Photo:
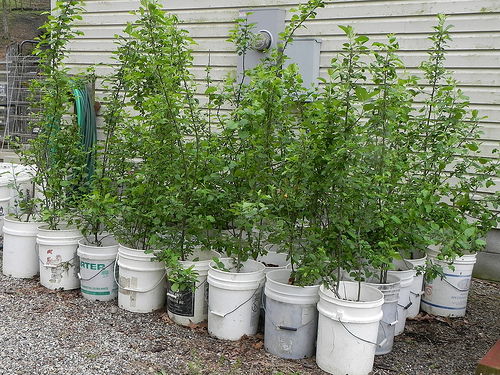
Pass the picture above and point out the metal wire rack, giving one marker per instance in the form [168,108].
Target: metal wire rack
[22,68]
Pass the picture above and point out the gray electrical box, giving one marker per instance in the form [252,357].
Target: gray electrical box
[305,52]
[269,24]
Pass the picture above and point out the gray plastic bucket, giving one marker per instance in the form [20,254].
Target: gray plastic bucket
[387,327]
[291,320]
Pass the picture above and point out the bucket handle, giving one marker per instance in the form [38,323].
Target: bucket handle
[281,327]
[37,251]
[453,286]
[222,315]
[98,273]
[406,307]
[417,294]
[135,290]
[380,344]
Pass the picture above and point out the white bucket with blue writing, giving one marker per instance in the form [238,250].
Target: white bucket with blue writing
[291,322]
[191,304]
[234,299]
[448,296]
[59,264]
[142,286]
[97,267]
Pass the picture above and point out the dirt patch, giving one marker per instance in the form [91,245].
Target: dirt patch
[23,25]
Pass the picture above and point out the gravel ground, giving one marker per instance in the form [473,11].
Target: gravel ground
[59,332]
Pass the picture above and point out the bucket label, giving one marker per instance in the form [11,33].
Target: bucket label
[180,303]
[58,267]
[92,266]
[96,291]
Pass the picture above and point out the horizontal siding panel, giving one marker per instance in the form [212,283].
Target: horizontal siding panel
[223,4]
[420,42]
[111,6]
[488,59]
[453,60]
[438,5]
[474,52]
[399,25]
[106,19]
[350,9]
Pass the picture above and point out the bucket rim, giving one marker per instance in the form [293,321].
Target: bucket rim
[260,267]
[377,297]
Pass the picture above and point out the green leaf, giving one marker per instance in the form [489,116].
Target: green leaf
[174,287]
[473,146]
[362,94]
[395,219]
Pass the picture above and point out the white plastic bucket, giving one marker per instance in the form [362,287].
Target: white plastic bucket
[142,287]
[191,305]
[404,300]
[22,176]
[97,267]
[273,260]
[57,251]
[387,327]
[9,173]
[417,285]
[348,328]
[291,321]
[19,248]
[234,299]
[448,296]
[4,201]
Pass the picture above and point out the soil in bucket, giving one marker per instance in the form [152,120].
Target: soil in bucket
[291,317]
[387,327]
[234,299]
[273,260]
[20,258]
[57,252]
[448,296]
[348,328]
[191,305]
[97,267]
[142,286]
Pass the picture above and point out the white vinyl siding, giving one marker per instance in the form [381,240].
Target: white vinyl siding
[474,53]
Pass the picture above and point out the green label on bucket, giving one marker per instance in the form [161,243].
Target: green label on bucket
[92,266]
[95,293]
